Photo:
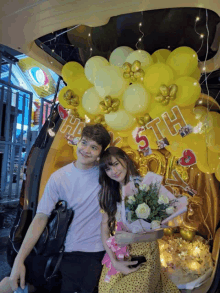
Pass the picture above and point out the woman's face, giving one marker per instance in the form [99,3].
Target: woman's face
[117,171]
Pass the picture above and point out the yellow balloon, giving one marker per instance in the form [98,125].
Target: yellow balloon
[204,120]
[213,140]
[120,120]
[183,61]
[156,109]
[188,91]
[196,74]
[90,101]
[142,56]
[160,56]
[215,117]
[61,98]
[157,75]
[217,172]
[136,99]
[93,65]
[207,161]
[80,85]
[119,55]
[71,71]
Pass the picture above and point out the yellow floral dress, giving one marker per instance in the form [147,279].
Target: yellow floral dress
[148,279]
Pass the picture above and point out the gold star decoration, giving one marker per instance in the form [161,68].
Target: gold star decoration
[133,71]
[166,94]
[109,105]
[71,98]
[142,121]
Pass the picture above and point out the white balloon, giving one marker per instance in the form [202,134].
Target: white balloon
[118,83]
[119,55]
[90,101]
[136,99]
[120,120]
[93,65]
[142,56]
[103,81]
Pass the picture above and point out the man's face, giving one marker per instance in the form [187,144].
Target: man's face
[88,151]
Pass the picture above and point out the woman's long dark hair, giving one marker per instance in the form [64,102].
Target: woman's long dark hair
[109,193]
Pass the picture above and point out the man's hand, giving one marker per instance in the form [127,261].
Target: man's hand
[124,238]
[122,266]
[17,276]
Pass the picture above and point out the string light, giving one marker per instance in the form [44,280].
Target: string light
[140,25]
[202,36]
[197,18]
[89,42]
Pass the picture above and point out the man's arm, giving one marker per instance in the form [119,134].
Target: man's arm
[33,234]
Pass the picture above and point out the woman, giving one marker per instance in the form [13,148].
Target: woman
[115,169]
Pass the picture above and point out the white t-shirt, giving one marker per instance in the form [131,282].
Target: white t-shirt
[80,189]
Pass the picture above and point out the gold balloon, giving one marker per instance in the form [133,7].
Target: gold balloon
[136,66]
[67,98]
[168,231]
[159,99]
[126,75]
[164,90]
[100,119]
[139,74]
[187,234]
[126,67]
[143,120]
[173,90]
[109,104]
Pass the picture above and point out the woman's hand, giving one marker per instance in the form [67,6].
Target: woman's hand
[124,238]
[122,266]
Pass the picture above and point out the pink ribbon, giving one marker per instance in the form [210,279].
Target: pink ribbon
[120,251]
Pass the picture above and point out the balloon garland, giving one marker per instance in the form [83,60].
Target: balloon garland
[139,95]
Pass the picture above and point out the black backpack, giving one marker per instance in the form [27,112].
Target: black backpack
[51,242]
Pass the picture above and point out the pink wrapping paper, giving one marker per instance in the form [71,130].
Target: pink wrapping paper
[120,251]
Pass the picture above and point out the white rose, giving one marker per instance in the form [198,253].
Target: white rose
[170,210]
[155,224]
[142,211]
[131,199]
[144,187]
[163,199]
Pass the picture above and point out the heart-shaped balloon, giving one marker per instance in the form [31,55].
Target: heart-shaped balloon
[62,112]
[188,158]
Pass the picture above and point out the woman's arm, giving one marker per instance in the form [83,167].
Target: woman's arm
[105,236]
[119,265]
[124,238]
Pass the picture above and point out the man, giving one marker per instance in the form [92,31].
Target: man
[77,183]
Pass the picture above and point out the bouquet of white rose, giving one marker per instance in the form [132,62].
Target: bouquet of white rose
[148,205]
